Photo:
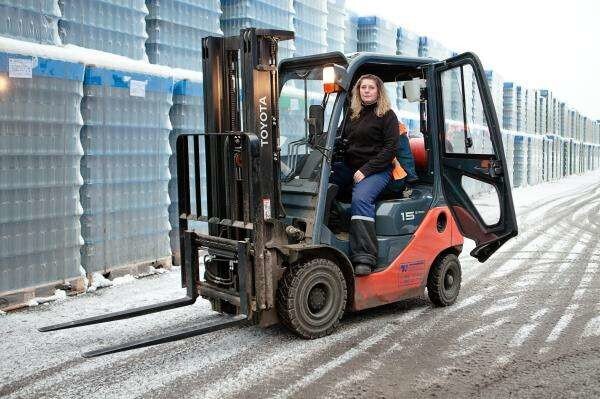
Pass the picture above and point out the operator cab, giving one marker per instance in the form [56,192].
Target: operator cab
[454,152]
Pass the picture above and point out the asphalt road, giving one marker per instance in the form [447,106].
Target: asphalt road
[526,324]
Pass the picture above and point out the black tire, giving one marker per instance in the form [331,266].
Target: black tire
[311,298]
[443,282]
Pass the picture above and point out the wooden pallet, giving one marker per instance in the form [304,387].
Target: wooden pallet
[11,300]
[136,269]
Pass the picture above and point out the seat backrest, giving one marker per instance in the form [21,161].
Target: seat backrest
[417,147]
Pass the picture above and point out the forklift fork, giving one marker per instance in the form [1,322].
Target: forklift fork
[191,274]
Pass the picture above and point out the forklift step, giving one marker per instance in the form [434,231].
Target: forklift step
[177,335]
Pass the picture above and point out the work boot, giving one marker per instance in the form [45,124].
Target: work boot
[363,244]
[360,269]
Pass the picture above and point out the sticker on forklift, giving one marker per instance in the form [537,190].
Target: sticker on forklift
[137,88]
[267,208]
[411,274]
[20,68]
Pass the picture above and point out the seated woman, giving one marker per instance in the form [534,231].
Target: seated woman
[371,137]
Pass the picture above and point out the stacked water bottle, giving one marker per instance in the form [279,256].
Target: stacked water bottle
[509,117]
[187,117]
[267,14]
[407,44]
[310,25]
[520,161]
[377,35]
[537,164]
[40,233]
[433,49]
[35,21]
[114,26]
[336,17]
[521,98]
[125,168]
[175,29]
[496,85]
[351,33]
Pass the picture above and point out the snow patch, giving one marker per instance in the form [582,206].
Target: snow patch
[522,334]
[126,279]
[502,305]
[563,322]
[469,301]
[479,331]
[72,53]
[99,281]
[59,295]
[2,313]
[539,314]
[592,328]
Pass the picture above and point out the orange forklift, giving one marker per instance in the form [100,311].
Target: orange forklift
[255,198]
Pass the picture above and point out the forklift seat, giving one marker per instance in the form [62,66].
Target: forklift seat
[417,147]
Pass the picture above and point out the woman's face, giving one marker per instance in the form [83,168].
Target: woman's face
[368,91]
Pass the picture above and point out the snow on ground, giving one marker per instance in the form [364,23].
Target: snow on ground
[28,351]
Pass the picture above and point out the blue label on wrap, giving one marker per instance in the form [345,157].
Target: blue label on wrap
[46,67]
[120,79]
[188,88]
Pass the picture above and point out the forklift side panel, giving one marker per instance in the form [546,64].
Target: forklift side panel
[407,275]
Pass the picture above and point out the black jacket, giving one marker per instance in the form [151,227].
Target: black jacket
[371,141]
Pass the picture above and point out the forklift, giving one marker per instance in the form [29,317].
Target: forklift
[255,198]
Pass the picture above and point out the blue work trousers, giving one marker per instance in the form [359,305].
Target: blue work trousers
[365,193]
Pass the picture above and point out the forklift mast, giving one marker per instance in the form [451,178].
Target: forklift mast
[242,169]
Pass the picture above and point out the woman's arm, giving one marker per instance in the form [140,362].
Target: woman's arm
[383,159]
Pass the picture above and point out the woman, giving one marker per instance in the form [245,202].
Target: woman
[370,136]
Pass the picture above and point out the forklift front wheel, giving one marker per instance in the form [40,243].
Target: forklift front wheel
[443,283]
[311,298]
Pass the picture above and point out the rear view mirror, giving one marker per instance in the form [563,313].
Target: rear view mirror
[412,89]
[316,117]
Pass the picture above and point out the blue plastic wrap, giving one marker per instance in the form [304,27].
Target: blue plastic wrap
[40,151]
[125,168]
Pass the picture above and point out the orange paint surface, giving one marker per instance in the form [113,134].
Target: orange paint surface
[407,275]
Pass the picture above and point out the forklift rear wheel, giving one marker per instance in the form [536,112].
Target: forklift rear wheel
[443,283]
[311,298]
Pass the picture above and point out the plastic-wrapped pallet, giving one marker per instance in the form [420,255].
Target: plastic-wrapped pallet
[540,114]
[336,29]
[407,44]
[266,14]
[547,110]
[40,151]
[310,24]
[508,142]
[377,35]
[114,26]
[187,116]
[351,33]
[35,21]
[433,49]
[535,160]
[509,106]
[175,29]
[125,168]
[520,161]
[521,116]
[496,85]
[530,116]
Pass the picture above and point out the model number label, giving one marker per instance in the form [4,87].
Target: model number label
[410,215]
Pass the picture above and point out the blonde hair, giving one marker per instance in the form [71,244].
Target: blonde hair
[383,101]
